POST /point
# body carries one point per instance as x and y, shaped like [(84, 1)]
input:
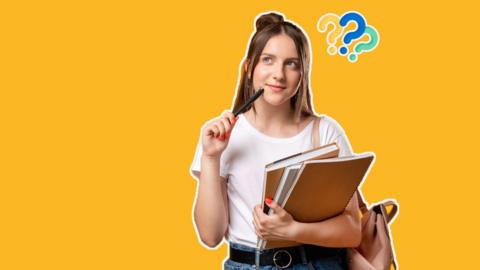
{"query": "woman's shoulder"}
[(329, 125)]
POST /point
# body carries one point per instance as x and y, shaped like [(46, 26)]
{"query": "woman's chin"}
[(275, 100)]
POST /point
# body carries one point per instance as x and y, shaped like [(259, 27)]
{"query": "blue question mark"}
[(351, 35)]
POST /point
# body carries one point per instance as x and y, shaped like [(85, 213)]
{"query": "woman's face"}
[(278, 70)]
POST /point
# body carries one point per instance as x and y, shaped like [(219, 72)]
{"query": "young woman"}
[(232, 153)]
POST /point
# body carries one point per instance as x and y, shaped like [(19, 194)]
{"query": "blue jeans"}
[(335, 262)]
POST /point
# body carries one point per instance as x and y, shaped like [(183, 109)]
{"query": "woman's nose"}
[(278, 72)]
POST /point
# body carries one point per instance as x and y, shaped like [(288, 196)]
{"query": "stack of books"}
[(313, 186)]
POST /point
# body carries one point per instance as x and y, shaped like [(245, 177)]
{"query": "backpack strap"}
[(316, 143), (316, 132)]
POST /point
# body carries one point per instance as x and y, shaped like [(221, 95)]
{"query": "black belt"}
[(283, 257)]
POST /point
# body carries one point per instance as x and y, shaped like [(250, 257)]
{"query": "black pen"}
[(248, 102)]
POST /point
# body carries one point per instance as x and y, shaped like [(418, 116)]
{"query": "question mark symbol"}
[(365, 46), (334, 34), (351, 35)]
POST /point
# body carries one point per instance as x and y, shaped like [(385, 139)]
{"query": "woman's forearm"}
[(340, 231), (211, 208)]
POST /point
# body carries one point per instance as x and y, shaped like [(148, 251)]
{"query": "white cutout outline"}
[(315, 114)]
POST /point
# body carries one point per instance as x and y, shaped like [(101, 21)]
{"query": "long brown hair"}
[(268, 26)]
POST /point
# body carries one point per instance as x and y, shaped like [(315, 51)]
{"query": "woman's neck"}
[(278, 121)]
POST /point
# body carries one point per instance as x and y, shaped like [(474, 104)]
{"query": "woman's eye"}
[(267, 60), (292, 64)]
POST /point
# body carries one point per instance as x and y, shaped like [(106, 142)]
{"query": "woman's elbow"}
[(210, 241), (207, 236)]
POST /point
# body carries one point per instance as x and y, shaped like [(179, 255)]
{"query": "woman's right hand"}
[(216, 134)]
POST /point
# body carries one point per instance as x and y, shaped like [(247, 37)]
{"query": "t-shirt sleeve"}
[(344, 145), (196, 165), (331, 131)]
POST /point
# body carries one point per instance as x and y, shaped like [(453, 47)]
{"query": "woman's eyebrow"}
[(272, 55)]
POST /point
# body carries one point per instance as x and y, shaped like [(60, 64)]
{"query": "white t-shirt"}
[(243, 163)]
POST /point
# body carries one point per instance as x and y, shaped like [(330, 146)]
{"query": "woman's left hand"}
[(279, 225)]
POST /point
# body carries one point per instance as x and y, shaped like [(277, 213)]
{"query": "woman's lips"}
[(276, 88)]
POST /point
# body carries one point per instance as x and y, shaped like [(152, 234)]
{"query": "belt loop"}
[(303, 254), (257, 259)]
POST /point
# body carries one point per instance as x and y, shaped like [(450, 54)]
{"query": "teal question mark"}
[(369, 46)]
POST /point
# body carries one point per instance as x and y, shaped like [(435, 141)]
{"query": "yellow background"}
[(102, 102)]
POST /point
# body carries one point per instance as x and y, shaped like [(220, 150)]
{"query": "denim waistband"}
[(320, 255), (242, 247), (253, 249)]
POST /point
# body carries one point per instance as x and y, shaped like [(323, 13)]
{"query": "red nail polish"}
[(268, 200), (221, 138), (227, 135)]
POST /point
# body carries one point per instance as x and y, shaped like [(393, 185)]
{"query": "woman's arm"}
[(211, 208), (340, 231)]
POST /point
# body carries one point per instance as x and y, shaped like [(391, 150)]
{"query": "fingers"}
[(213, 130), (229, 115), (229, 122), (256, 226), (221, 127), (277, 209), (371, 222), (216, 129), (257, 212), (222, 130), (225, 125), (256, 223), (382, 232)]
